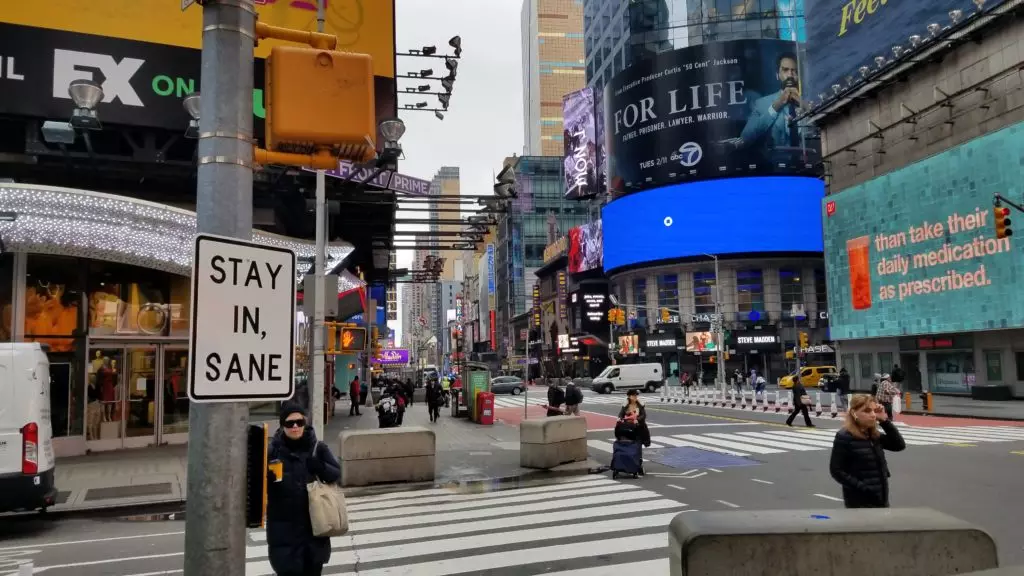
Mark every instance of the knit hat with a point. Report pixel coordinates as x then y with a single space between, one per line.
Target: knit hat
290 407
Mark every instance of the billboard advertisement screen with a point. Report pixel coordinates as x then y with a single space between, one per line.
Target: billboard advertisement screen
392 356
844 35
914 252
765 214
143 83
580 144
585 243
700 342
714 110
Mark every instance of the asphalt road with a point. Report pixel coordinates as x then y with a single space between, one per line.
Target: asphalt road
510 534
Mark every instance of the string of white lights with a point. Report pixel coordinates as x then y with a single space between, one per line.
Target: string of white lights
87 224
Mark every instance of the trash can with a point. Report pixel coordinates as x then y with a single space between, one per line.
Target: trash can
485 408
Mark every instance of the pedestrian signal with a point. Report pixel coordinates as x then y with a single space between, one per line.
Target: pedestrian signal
712 360
1002 222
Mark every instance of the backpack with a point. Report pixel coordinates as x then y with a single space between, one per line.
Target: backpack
573 394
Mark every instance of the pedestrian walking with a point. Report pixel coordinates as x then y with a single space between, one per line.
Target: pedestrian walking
801 400
434 395
842 390
858 454
296 458
355 395
573 399
410 390
887 392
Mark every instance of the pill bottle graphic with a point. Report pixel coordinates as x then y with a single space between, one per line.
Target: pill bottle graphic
858 252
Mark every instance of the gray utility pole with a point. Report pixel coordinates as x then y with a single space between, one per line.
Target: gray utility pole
215 513
317 389
719 333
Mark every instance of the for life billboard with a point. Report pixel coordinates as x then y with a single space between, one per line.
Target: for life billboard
714 110
583 178
842 36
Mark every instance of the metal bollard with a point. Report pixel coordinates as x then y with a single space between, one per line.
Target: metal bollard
928 406
906 401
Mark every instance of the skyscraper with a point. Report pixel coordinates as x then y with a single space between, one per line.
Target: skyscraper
553 66
445 216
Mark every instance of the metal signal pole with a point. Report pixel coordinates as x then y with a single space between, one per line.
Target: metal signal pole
317 390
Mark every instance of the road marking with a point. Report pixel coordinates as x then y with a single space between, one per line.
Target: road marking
674 475
161 573
94 541
762 481
1018 452
107 561
715 470
674 486
729 504
827 497
961 444
703 425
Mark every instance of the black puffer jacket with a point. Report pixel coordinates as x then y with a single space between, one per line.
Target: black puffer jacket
859 465
292 547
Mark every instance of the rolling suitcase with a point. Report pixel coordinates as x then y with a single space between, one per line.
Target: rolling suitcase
627 458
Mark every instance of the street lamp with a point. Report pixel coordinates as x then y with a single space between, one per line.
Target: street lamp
86 94
191 105
718 324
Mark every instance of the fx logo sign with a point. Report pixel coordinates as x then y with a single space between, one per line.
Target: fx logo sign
70 65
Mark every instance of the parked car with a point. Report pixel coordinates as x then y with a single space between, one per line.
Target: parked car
513 385
810 376
646 377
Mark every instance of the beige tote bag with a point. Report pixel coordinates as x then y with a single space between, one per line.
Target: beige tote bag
327 509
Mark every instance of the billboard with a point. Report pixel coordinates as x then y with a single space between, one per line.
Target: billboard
714 110
842 36
361 26
563 295
143 83
764 214
914 252
585 247
490 269
700 342
580 144
392 356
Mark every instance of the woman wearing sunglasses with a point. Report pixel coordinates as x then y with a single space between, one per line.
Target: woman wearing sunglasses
858 454
296 458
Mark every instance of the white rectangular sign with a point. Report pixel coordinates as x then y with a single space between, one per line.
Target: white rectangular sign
242 343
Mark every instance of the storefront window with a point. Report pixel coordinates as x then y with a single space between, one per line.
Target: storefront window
885 361
846 361
820 289
749 290
791 288
867 371
951 372
1019 357
640 299
131 301
53 303
993 366
668 291
6 297
704 292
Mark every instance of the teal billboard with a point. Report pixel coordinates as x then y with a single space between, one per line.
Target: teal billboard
914 252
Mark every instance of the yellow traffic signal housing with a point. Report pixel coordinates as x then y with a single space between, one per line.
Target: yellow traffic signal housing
332 339
612 315
664 315
320 102
803 340
789 355
1002 222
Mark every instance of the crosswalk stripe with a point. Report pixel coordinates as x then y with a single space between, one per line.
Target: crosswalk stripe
530 534
777 443
995 432
417 494
797 437
464 515
601 445
356 538
688 444
499 494
943 436
645 567
511 497
728 444
787 442
510 558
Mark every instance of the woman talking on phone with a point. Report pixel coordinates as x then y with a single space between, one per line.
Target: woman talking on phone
858 454
296 458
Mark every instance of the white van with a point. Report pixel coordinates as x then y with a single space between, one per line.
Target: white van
647 377
26 437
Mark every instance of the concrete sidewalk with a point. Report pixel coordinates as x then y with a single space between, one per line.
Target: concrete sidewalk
963 407
157 476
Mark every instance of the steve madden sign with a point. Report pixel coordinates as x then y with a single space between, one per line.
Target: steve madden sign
759 339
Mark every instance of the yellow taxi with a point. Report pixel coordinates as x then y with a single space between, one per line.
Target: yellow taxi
810 376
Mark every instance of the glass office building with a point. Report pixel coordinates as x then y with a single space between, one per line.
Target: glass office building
619 32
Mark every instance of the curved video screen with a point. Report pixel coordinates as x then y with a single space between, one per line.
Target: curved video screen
728 216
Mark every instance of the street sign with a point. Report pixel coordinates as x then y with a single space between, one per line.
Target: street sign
242 341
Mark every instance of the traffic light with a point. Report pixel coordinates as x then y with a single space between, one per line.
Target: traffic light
613 315
803 340
621 320
712 360
1002 222
664 315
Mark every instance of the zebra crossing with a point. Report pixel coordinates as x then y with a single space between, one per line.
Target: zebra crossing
797 439
567 528
541 399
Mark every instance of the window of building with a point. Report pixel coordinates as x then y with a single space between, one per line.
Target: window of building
885 361
640 299
866 369
846 361
749 290
128 300
820 289
1019 357
704 292
791 288
6 297
993 366
668 292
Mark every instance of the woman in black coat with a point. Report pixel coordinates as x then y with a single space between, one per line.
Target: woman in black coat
293 549
858 454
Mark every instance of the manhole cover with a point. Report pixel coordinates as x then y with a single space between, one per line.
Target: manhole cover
687 457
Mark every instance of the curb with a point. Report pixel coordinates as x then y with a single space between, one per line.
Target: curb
494 483
963 416
145 511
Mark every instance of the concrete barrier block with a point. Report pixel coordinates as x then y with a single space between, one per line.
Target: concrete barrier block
388 455
880 542
547 456
553 429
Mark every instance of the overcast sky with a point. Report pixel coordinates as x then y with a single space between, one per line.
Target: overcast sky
484 123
